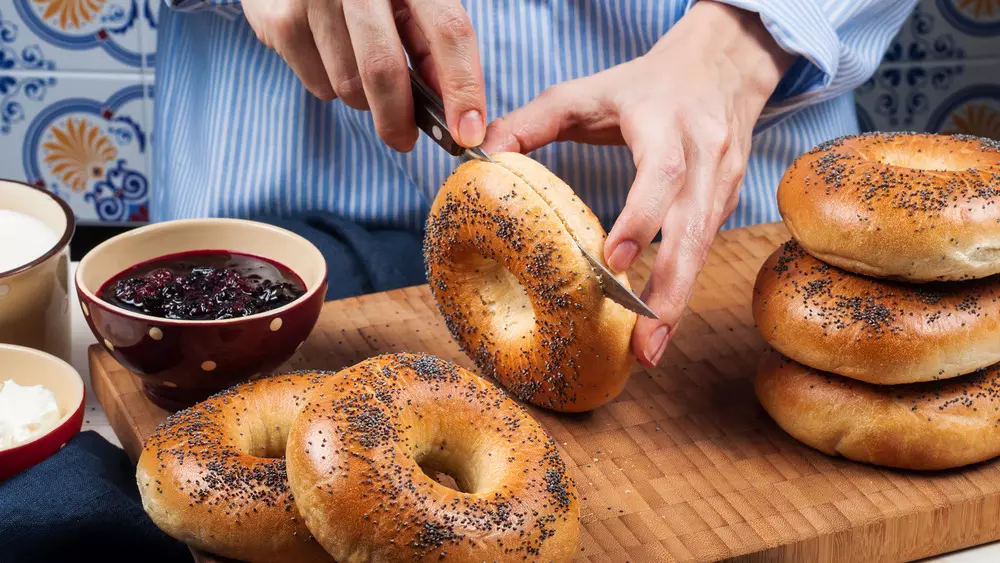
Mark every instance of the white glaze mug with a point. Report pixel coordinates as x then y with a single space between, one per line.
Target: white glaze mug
34 297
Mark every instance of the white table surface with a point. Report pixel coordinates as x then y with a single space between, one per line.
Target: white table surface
94 419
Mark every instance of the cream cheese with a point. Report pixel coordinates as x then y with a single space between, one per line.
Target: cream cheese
26 412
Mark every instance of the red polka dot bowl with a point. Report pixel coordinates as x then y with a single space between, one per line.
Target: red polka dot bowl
27 366
181 362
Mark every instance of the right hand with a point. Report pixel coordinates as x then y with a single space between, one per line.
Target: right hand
354 50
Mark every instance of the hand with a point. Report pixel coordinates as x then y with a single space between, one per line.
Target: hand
686 110
354 50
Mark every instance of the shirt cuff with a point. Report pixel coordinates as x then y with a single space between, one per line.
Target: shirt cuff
799 27
228 8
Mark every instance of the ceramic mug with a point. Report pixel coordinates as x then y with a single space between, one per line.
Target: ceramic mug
34 297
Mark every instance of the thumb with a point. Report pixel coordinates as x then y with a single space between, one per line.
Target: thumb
570 111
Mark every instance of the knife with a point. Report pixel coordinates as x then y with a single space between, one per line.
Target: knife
616 290
428 110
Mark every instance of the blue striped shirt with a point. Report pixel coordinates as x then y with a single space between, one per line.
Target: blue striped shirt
238 135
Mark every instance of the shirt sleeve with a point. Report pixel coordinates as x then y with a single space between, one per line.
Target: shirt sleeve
839 45
228 8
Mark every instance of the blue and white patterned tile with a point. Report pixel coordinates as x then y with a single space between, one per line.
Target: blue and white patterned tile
19 50
947 30
83 138
961 97
79 35
148 81
975 19
926 37
147 34
972 108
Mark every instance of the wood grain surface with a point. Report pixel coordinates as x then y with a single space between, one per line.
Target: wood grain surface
684 465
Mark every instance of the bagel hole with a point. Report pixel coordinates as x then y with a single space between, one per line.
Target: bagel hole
445 468
929 159
443 479
271 446
500 293
264 427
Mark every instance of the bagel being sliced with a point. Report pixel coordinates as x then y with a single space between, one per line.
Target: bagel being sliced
515 290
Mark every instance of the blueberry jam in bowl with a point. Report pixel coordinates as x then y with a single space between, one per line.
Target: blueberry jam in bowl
195 306
205 285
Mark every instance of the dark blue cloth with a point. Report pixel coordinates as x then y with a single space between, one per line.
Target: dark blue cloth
81 504
360 260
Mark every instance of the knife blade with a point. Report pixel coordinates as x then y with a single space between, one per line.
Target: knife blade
428 111
616 290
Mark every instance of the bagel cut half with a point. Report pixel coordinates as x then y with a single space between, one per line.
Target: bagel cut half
515 290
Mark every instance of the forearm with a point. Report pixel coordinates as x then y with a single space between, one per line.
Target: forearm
752 56
837 45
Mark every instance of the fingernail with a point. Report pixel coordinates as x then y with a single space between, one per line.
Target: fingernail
623 255
656 345
471 129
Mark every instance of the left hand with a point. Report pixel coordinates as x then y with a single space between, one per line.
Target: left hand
686 109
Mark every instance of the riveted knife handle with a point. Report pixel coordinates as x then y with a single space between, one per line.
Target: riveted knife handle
428 111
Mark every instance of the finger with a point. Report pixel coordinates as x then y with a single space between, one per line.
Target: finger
382 67
686 237
452 43
660 175
688 230
732 169
333 41
286 30
416 46
570 111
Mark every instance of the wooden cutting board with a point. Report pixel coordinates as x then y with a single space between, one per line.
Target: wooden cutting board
684 465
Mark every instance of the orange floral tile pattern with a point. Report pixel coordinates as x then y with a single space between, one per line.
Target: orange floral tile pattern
71 13
980 7
78 153
975 119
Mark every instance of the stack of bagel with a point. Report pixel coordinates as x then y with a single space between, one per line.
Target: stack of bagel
883 311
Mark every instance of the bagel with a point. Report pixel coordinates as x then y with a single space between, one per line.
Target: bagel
515 290
356 452
213 475
933 425
873 330
914 207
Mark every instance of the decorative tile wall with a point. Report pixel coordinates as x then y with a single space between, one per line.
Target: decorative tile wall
941 73
75 102
76 95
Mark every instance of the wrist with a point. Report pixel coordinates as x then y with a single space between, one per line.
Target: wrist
741 38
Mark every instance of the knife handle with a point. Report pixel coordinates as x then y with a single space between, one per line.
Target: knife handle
428 111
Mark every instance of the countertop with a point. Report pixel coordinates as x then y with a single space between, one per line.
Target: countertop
94 419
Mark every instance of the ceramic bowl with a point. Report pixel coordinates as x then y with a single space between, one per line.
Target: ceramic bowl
34 297
27 366
182 362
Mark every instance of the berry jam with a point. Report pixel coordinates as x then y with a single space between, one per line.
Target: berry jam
203 285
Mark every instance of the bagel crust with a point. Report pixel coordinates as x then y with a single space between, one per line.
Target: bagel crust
213 475
926 426
915 207
357 454
517 293
874 330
